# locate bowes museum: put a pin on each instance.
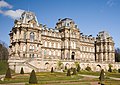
(36, 46)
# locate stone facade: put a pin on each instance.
(30, 40)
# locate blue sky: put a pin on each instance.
(91, 16)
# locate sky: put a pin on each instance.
(91, 16)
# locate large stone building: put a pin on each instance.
(33, 45)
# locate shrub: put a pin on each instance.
(65, 67)
(60, 65)
(3, 67)
(76, 63)
(118, 70)
(115, 70)
(22, 71)
(110, 68)
(8, 73)
(78, 68)
(71, 68)
(64, 70)
(68, 72)
(33, 79)
(102, 77)
(88, 68)
(52, 70)
(74, 71)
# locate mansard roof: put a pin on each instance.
(27, 17)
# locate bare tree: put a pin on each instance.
(3, 51)
(117, 55)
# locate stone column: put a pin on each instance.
(106, 56)
(17, 34)
(101, 52)
(22, 34)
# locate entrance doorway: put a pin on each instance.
(73, 56)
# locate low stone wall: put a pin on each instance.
(46, 65)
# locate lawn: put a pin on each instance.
(44, 78)
(107, 74)
(117, 75)
(89, 73)
(57, 78)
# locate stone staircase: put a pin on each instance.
(27, 62)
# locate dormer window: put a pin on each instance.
(32, 36)
(68, 24)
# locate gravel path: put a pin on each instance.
(14, 84)
(91, 76)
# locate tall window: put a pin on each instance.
(31, 48)
(45, 44)
(49, 52)
(32, 55)
(50, 44)
(32, 36)
(24, 48)
(45, 52)
(24, 35)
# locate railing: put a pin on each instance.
(31, 66)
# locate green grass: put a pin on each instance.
(89, 73)
(44, 78)
(58, 78)
(116, 75)
(107, 74)
(3, 67)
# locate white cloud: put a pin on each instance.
(13, 14)
(1, 11)
(5, 4)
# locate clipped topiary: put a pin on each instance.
(52, 70)
(33, 79)
(8, 74)
(74, 71)
(110, 68)
(65, 67)
(118, 70)
(78, 68)
(115, 70)
(22, 71)
(88, 68)
(68, 72)
(102, 77)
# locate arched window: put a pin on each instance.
(32, 36)
(31, 47)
